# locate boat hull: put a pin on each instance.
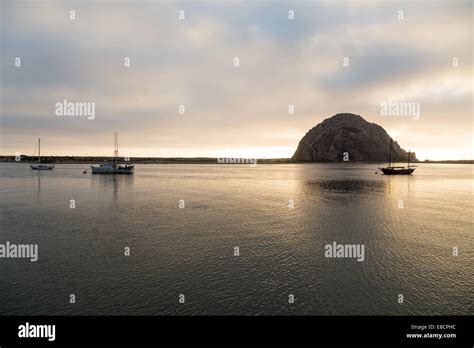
(397, 171)
(41, 167)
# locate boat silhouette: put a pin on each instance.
(391, 170)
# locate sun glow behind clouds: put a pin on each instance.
(216, 152)
(257, 152)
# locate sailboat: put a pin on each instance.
(41, 166)
(113, 167)
(397, 170)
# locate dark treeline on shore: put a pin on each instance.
(169, 160)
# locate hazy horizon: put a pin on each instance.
(422, 55)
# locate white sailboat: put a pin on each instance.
(40, 166)
(114, 167)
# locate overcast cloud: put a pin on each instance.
(240, 110)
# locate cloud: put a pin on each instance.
(190, 62)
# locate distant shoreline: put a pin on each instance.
(179, 160)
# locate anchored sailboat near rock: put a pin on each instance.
(408, 170)
(113, 167)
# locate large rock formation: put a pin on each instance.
(351, 134)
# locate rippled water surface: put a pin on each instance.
(408, 224)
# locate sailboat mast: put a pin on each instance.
(390, 159)
(408, 158)
(115, 149)
(39, 150)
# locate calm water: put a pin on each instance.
(189, 251)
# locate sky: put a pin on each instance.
(332, 57)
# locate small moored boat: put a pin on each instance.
(397, 170)
(40, 166)
(114, 167)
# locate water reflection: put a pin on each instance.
(396, 184)
(37, 173)
(39, 184)
(407, 247)
(112, 183)
(348, 186)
